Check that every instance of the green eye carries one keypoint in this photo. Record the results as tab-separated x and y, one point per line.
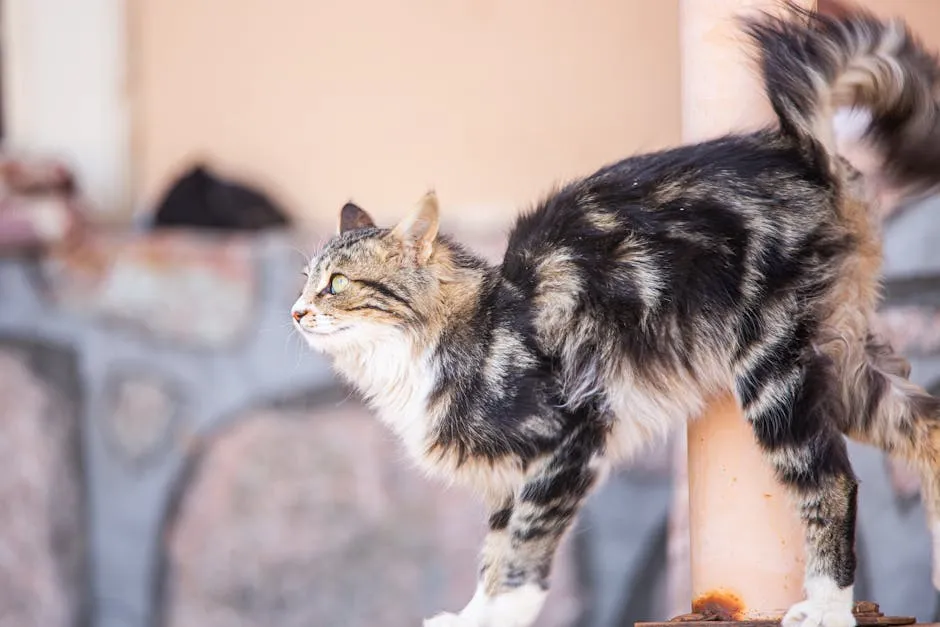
338	283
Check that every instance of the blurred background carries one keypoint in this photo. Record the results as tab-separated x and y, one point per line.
173	456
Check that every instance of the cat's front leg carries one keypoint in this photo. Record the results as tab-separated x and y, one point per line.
495	602
525	533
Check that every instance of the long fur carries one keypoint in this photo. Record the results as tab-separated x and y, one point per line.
814	65
627	299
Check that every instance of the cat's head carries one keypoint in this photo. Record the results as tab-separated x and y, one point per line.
369	284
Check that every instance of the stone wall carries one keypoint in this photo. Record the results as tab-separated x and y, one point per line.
176	457
42	491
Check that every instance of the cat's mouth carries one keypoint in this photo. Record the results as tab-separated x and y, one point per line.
319	331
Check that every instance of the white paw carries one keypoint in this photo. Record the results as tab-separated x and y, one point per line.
815	614
517	608
444	619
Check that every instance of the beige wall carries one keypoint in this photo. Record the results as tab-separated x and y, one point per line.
922	15
489	101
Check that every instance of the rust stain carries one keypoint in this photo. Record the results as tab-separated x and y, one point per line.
722	604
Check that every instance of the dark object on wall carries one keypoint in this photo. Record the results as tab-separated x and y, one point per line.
201	199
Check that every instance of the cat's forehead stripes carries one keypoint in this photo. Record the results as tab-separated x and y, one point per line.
348	247
351	237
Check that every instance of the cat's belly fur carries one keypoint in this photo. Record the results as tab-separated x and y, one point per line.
645	417
642	416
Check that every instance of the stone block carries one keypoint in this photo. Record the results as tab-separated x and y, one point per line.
42	510
912	330
315	518
144	410
192	289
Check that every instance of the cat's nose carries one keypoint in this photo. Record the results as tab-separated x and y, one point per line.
299	314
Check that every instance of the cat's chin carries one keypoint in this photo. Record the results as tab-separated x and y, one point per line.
326	340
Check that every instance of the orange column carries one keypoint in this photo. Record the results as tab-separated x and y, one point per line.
746	538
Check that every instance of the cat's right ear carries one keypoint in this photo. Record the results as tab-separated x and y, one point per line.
353	217
418	231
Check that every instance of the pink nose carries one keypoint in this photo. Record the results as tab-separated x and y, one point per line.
299	314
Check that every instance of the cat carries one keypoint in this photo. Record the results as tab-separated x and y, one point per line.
626	300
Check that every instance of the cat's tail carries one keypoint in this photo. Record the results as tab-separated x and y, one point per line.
815	66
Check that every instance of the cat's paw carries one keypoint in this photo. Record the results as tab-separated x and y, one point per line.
516	608
445	619
815	614
826	605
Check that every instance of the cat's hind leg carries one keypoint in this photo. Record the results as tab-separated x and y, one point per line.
789	398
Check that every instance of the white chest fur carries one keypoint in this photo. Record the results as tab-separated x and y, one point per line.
397	381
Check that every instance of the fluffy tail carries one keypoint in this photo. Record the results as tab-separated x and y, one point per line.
815	66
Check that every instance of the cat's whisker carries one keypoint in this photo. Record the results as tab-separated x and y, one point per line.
346	398
295	336
306	257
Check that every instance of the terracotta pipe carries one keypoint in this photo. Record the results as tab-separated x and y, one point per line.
746	538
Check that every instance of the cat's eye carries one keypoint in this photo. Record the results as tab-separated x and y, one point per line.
338	283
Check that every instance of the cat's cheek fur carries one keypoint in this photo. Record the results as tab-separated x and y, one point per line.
516	608
826	605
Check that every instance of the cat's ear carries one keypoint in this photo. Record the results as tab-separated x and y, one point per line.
418	231
352	217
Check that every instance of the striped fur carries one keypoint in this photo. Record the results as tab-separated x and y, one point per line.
627	299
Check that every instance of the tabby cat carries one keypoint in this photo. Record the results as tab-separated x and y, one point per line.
627	299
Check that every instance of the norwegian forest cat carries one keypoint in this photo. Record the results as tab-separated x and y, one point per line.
627	299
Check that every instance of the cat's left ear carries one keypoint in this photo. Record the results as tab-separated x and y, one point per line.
418	231
353	217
